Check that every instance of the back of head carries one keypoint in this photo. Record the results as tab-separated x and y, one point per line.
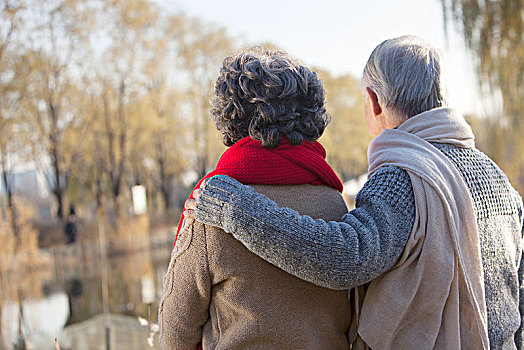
265	94
406	73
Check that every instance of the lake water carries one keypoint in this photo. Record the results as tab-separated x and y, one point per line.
74	307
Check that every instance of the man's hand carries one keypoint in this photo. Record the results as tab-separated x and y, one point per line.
190	204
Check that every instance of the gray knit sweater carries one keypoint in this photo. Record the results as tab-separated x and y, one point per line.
371	238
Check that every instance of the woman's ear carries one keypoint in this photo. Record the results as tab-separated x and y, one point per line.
374	101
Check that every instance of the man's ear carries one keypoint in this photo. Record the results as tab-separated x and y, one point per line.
374	101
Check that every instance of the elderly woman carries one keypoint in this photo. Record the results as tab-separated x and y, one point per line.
270	111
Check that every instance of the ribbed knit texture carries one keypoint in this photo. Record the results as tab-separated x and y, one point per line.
490	189
251	163
390	185
498	210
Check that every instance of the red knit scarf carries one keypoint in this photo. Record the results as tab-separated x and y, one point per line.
250	163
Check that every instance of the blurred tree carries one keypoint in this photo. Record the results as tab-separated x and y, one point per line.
48	89
202	48
11	71
127	28
77	148
346	138
14	134
7	249
86	142
149	96
162	152
489	134
494	31
161	146
55	32
20	268
26	279
114	137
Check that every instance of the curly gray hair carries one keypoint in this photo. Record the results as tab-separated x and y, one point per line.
265	94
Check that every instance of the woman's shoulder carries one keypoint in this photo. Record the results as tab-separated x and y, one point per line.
317	201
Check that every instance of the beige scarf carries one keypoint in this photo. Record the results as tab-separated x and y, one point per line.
434	296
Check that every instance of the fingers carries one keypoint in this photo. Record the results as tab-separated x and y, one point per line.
189	208
189	214
190	204
197	193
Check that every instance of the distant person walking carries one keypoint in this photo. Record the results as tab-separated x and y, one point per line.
70	227
435	240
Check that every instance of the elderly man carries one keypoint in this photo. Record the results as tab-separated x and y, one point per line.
434	244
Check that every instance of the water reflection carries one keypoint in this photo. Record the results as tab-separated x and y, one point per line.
71	283
42	319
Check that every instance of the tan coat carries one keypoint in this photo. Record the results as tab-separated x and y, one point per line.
218	292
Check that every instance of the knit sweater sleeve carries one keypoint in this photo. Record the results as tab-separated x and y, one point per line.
339	255
184	305
519	336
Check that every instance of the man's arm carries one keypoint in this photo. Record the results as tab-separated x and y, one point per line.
340	255
187	291
519	336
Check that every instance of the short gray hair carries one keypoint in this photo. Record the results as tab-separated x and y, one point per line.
406	73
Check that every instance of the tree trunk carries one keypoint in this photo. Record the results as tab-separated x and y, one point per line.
116	168
20	341
166	192
116	197
11	209
202	166
2	344
98	192
57	187
60	205
54	143
165	178
166	196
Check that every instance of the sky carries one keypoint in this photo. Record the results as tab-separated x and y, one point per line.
339	35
